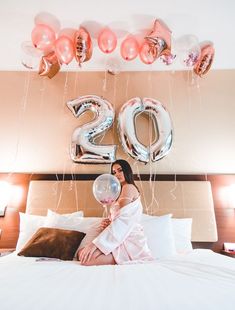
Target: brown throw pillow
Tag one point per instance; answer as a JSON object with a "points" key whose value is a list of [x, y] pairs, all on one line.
{"points": [[53, 243]]}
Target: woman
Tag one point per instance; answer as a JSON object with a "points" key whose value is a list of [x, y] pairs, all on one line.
{"points": [[121, 239]]}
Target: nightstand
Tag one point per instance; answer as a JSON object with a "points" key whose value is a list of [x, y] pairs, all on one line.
{"points": [[6, 251], [228, 253]]}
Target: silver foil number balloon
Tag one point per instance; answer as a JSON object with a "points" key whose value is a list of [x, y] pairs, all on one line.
{"points": [[127, 129], [83, 148]]}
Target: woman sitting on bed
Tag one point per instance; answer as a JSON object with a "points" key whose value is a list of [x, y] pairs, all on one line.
{"points": [[121, 239]]}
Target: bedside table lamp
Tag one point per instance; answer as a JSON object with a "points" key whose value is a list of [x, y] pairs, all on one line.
{"points": [[5, 188]]}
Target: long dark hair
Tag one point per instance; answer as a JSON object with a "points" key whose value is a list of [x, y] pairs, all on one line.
{"points": [[126, 169]]}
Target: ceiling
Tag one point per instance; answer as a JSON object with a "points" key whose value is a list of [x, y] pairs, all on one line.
{"points": [[211, 20]]}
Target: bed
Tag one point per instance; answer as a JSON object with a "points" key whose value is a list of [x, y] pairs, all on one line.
{"points": [[185, 278]]}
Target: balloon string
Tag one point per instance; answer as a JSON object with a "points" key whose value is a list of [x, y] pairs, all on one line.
{"points": [[75, 89], [105, 77], [170, 92], [65, 88], [21, 115], [150, 81], [142, 189], [59, 195], [114, 101], [127, 86], [42, 90], [173, 189]]}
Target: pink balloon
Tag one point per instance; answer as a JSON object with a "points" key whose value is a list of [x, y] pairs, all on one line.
{"points": [[43, 37], [129, 48], [107, 41], [148, 53], [64, 49]]}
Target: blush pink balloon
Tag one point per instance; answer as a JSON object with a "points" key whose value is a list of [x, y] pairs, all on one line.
{"points": [[129, 48], [64, 49], [107, 41], [148, 53], [43, 37]]}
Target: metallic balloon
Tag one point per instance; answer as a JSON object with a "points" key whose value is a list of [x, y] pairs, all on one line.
{"points": [[157, 43], [83, 147], [49, 65], [127, 129], [83, 45], [205, 61]]}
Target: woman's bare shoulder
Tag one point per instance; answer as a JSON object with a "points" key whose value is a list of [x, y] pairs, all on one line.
{"points": [[130, 190]]}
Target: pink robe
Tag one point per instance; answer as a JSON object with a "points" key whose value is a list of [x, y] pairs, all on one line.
{"points": [[124, 237]]}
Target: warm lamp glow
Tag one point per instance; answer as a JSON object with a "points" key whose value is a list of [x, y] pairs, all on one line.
{"points": [[228, 194], [10, 195], [16, 195], [5, 192]]}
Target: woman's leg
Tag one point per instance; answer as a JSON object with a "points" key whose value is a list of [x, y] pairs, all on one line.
{"points": [[98, 258]]}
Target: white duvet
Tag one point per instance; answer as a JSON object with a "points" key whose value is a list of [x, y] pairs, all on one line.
{"points": [[196, 281]]}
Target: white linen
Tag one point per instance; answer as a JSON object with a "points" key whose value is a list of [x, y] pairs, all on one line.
{"points": [[200, 279]]}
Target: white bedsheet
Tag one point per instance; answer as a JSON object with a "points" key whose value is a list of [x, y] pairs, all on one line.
{"points": [[196, 281]]}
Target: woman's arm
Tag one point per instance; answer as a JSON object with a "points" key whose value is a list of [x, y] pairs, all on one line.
{"points": [[118, 230]]}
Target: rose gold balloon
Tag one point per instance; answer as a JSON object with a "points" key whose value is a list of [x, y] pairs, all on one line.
{"points": [[148, 53], [43, 37], [205, 61], [64, 49], [160, 36], [49, 65], [129, 48], [83, 45], [107, 41]]}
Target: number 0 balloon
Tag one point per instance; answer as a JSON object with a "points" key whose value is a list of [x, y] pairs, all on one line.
{"points": [[127, 129]]}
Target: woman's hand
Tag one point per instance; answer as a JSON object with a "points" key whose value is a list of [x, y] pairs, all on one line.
{"points": [[104, 223], [87, 252]]}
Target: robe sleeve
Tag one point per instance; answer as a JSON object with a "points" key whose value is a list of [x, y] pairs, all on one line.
{"points": [[114, 234]]}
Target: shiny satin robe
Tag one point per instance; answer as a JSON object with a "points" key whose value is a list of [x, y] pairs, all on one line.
{"points": [[124, 237]]}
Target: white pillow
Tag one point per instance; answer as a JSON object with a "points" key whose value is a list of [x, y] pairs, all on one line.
{"points": [[182, 230], [90, 226], [68, 221], [72, 221], [159, 233], [29, 224]]}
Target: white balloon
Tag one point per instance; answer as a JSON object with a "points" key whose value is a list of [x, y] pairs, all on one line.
{"points": [[106, 189], [188, 50], [30, 56]]}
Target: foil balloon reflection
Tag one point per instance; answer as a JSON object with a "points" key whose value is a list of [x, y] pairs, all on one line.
{"points": [[205, 61], [49, 65], [127, 129], [83, 45], [158, 42], [83, 147]]}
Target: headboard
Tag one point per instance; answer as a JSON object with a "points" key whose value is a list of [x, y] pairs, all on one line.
{"points": [[182, 198]]}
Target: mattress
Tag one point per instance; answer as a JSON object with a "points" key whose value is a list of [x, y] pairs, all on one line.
{"points": [[200, 279]]}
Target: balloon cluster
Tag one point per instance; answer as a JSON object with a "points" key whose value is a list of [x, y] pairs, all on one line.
{"points": [[56, 48]]}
